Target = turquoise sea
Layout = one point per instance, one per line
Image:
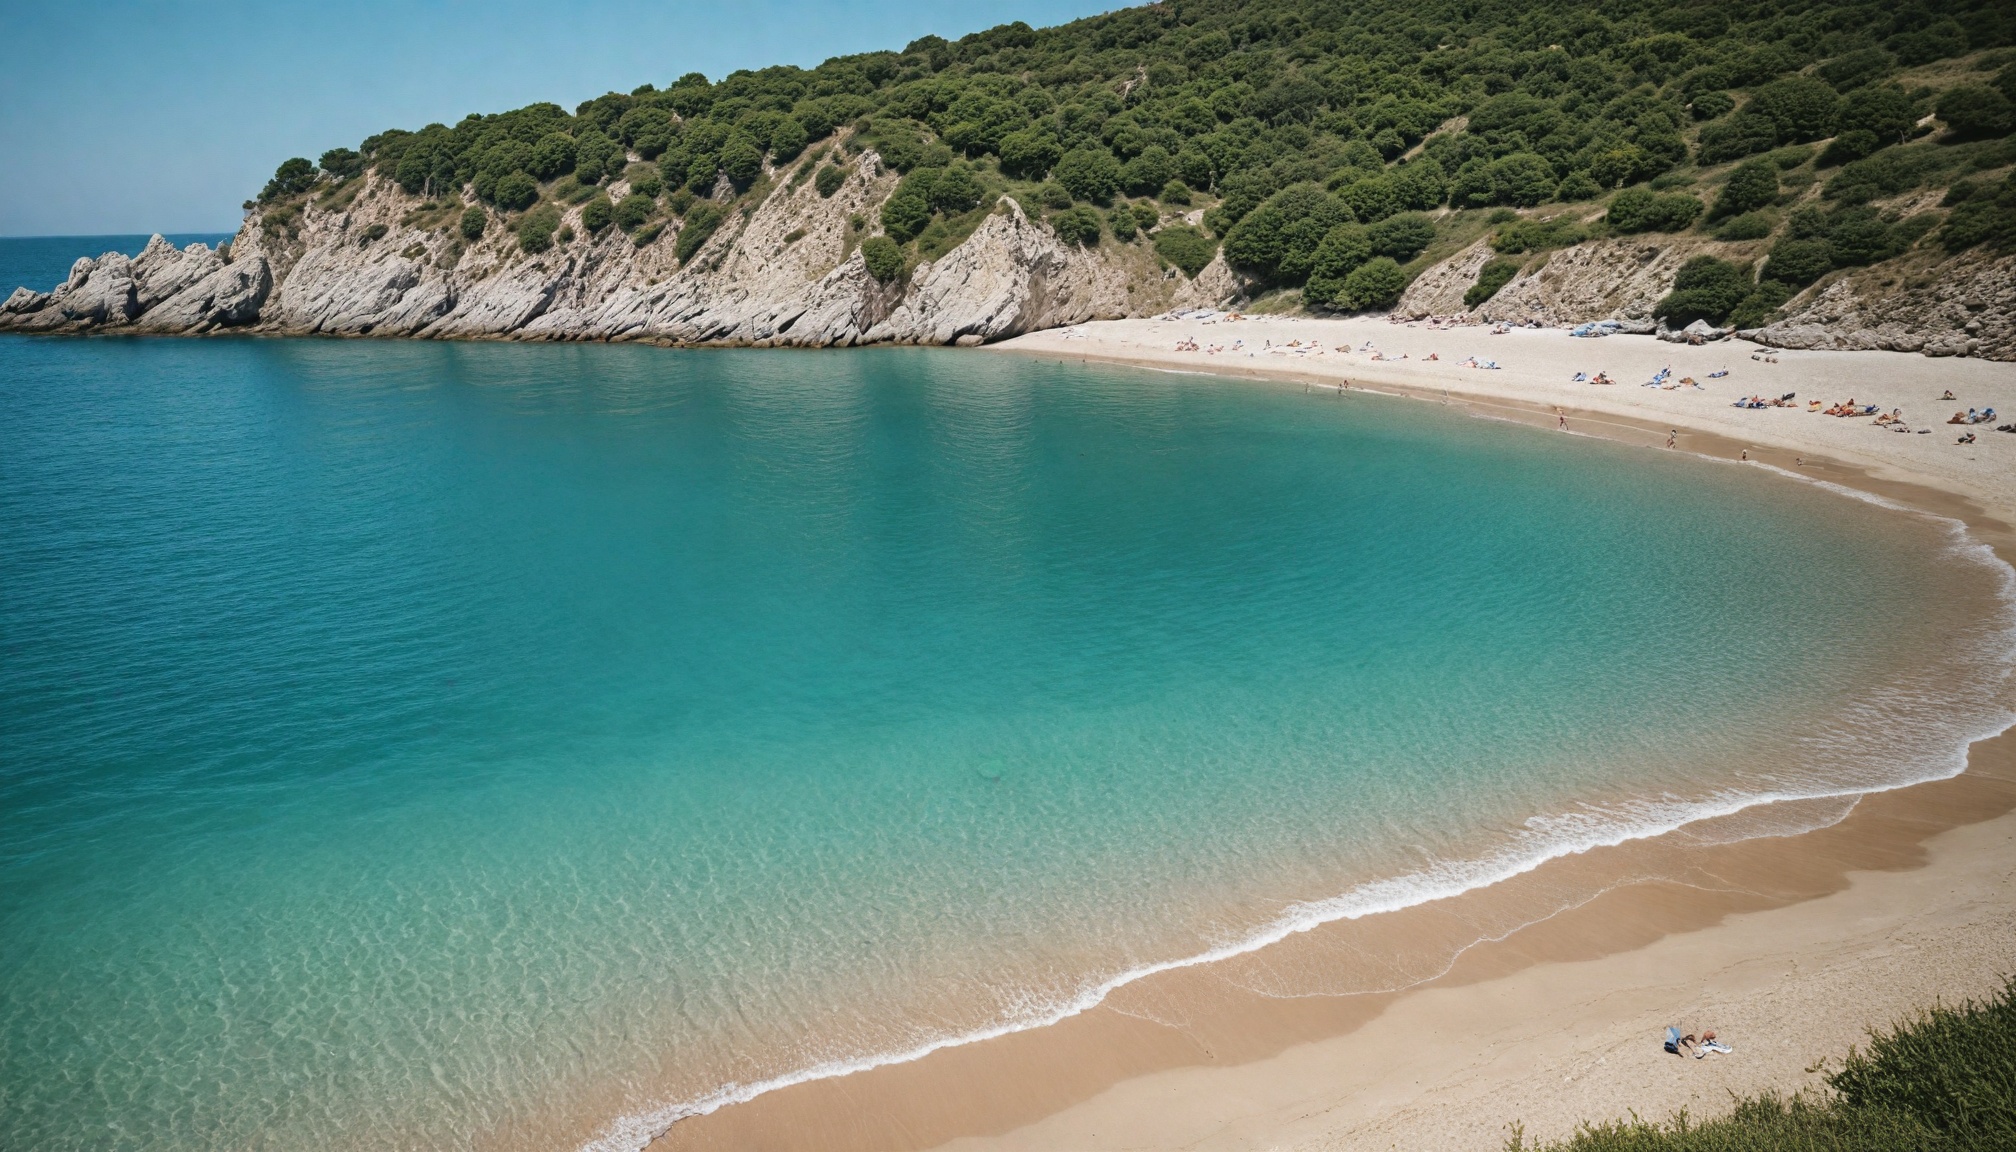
(494, 746)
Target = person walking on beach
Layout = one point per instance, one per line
(1561, 414)
(1672, 437)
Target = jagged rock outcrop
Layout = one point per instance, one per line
(1967, 307)
(1438, 290)
(1010, 276)
(1624, 277)
(784, 271)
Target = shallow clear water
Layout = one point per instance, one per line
(411, 745)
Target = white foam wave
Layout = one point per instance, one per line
(1543, 839)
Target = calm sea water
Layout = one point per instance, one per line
(42, 262)
(474, 746)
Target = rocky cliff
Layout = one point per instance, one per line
(785, 268)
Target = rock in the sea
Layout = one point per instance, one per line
(24, 300)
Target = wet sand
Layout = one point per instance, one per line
(1540, 1000)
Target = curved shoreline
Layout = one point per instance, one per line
(805, 1102)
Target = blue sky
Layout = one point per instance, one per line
(163, 117)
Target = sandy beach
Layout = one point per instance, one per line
(1537, 1002)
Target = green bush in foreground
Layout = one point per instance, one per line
(474, 220)
(1944, 1082)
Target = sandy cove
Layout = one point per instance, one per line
(1563, 1042)
(1547, 1005)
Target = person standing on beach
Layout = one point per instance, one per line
(1561, 414)
(1672, 437)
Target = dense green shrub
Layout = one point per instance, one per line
(631, 212)
(741, 161)
(342, 163)
(1402, 237)
(1537, 235)
(1798, 262)
(1984, 217)
(1146, 173)
(1852, 70)
(1753, 185)
(516, 192)
(1523, 179)
(1800, 108)
(1080, 226)
(1278, 239)
(1089, 174)
(552, 156)
(1748, 226)
(1344, 249)
(294, 176)
(1030, 153)
(1883, 111)
(1976, 110)
(908, 209)
(597, 214)
(1577, 186)
(829, 180)
(1375, 284)
(1642, 210)
(1175, 193)
(1746, 133)
(1120, 221)
(1851, 145)
(883, 256)
(954, 189)
(474, 221)
(701, 221)
(787, 140)
(1490, 279)
(536, 228)
(1706, 288)
(1053, 195)
(1711, 105)
(1760, 307)
(1186, 248)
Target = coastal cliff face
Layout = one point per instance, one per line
(785, 269)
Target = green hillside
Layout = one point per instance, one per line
(1334, 146)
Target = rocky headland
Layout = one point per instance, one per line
(787, 269)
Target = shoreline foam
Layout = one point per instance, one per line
(1380, 897)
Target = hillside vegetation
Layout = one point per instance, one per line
(1329, 148)
(1945, 1082)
